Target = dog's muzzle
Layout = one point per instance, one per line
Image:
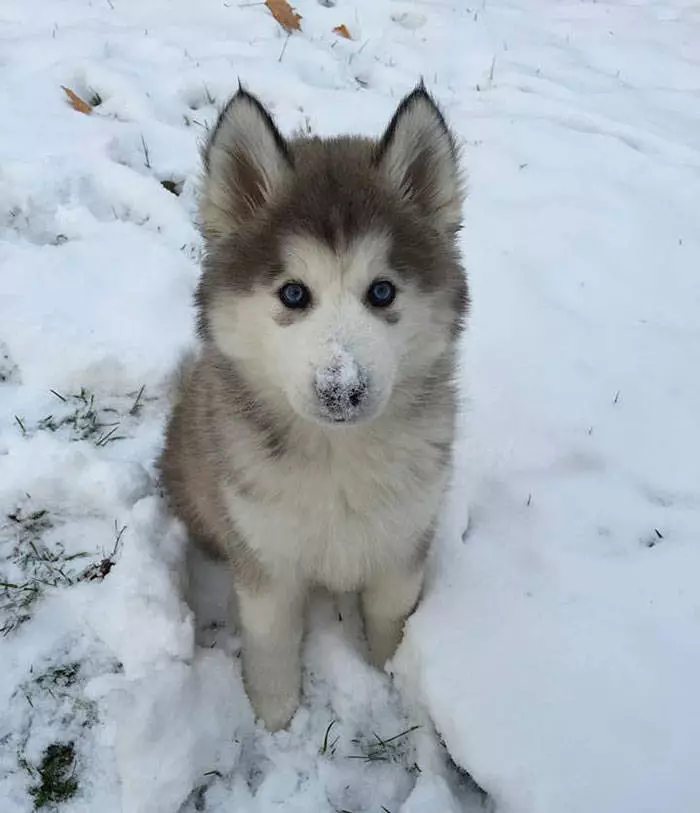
(342, 392)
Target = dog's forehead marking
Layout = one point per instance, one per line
(317, 264)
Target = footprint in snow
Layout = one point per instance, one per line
(409, 20)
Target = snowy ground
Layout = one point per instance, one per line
(558, 648)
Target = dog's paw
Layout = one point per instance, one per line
(383, 640)
(275, 711)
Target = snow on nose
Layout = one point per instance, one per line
(341, 387)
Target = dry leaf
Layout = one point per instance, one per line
(342, 31)
(284, 14)
(76, 102)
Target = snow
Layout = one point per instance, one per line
(557, 649)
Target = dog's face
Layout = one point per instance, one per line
(331, 275)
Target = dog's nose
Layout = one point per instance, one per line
(341, 399)
(340, 396)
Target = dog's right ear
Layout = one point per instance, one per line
(246, 160)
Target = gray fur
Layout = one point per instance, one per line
(242, 465)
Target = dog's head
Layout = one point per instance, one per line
(331, 272)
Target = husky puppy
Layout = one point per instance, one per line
(310, 442)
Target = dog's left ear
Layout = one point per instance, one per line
(418, 155)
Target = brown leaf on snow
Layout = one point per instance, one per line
(342, 31)
(285, 15)
(76, 102)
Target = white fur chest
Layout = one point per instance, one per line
(356, 505)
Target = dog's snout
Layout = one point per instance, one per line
(341, 392)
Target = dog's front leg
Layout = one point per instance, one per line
(272, 619)
(386, 602)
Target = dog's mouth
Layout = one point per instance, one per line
(346, 417)
(342, 420)
(345, 421)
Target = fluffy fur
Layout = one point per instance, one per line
(295, 489)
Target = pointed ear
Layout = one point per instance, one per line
(246, 161)
(418, 156)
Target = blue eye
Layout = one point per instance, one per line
(381, 293)
(294, 295)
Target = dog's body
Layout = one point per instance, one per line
(311, 439)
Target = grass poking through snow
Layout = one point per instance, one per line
(84, 418)
(379, 749)
(329, 747)
(34, 566)
(57, 780)
(55, 698)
